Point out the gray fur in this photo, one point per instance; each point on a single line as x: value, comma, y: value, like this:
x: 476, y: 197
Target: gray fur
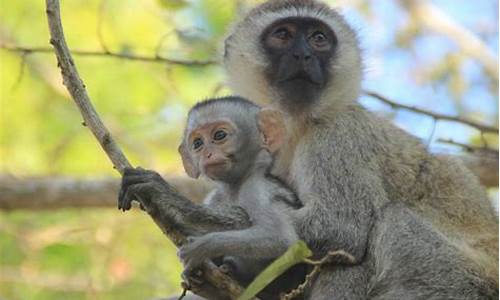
x: 418, y: 225
x: 267, y: 202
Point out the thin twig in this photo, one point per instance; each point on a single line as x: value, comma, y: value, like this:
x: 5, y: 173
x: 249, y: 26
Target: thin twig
x: 100, y: 20
x: 469, y: 148
x: 330, y: 257
x: 160, y: 43
x: 437, y: 116
x: 143, y: 58
x: 433, y: 131
x: 20, y: 76
x: 184, y: 292
x: 76, y: 88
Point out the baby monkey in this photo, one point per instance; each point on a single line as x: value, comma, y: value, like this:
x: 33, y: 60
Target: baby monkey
x: 231, y: 141
x: 245, y: 223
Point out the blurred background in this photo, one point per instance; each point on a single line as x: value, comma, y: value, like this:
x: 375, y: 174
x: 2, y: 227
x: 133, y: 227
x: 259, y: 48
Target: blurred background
x: 431, y: 66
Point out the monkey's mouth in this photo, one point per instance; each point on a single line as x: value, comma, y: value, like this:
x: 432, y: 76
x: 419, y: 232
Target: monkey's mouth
x: 300, y: 76
x: 215, y: 169
x: 217, y: 164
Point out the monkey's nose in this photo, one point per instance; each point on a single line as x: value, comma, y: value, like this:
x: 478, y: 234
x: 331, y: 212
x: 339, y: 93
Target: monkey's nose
x: 301, y: 56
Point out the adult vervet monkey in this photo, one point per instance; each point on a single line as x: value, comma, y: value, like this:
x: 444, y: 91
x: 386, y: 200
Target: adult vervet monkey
x: 418, y: 225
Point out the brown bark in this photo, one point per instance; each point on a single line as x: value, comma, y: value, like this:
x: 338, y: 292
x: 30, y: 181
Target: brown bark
x: 67, y: 192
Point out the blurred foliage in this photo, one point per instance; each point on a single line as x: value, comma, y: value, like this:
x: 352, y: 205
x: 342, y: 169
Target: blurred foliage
x: 99, y: 253
x: 147, y: 101
x: 95, y: 254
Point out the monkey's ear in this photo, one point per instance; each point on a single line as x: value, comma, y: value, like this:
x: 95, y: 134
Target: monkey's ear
x: 272, y: 127
x: 189, y: 166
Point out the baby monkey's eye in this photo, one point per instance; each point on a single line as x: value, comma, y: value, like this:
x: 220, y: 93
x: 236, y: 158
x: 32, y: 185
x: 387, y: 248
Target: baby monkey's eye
x: 220, y: 135
x: 197, y: 143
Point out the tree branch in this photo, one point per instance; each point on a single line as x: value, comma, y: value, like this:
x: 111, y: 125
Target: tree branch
x: 76, y: 88
x: 470, y: 148
x: 142, y: 58
x: 437, y: 116
x: 65, y: 192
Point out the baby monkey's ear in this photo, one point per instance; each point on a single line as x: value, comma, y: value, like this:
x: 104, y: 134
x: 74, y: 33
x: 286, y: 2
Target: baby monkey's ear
x: 191, y: 169
x: 272, y: 127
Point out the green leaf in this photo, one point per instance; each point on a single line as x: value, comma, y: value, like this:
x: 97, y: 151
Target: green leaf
x: 294, y: 255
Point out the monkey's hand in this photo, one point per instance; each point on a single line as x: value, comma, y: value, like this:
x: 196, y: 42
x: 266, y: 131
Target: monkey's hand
x: 194, y: 252
x: 141, y: 185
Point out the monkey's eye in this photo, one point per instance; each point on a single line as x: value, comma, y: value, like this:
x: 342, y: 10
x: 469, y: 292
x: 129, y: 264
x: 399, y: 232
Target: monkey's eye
x: 220, y: 135
x: 282, y: 34
x: 319, y: 39
x: 197, y: 143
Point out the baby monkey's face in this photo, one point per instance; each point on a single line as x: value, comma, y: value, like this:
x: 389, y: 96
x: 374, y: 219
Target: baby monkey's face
x: 212, y: 146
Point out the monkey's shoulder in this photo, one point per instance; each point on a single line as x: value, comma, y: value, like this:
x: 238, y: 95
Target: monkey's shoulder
x: 356, y: 130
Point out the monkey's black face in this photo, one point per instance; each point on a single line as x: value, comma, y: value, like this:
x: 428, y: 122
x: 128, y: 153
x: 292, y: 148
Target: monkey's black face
x: 299, y: 51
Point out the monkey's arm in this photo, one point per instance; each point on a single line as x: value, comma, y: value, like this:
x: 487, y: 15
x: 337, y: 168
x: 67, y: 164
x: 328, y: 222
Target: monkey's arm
x: 338, y: 197
x: 259, y: 242
x: 168, y: 208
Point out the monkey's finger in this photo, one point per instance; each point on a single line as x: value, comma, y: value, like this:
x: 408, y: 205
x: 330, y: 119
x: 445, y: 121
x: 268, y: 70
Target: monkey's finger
x: 187, y: 277
x: 125, y: 183
x: 186, y: 255
x: 197, y: 278
x: 225, y: 268
x: 120, y: 197
x: 228, y: 265
x: 132, y: 193
x: 123, y: 196
x: 137, y: 171
x: 193, y: 275
x: 130, y: 171
x: 126, y: 201
x: 135, y: 179
x: 143, y: 178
